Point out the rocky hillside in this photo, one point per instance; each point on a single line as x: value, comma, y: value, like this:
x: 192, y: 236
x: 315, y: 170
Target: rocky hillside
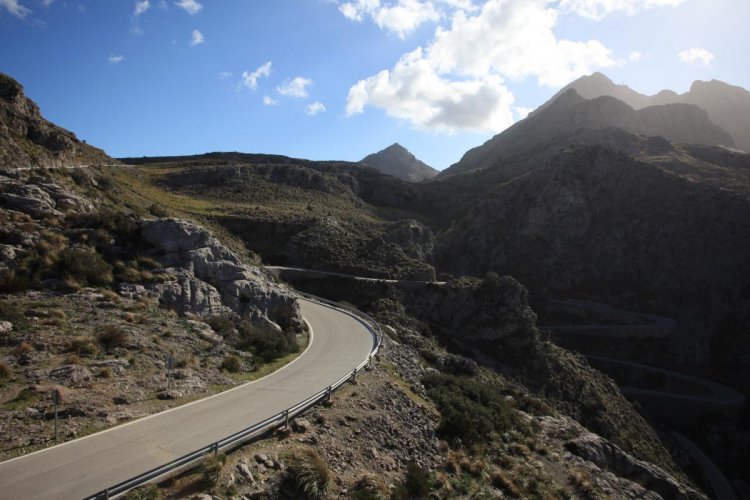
x: 570, y: 113
x: 594, y: 222
x: 27, y: 140
x: 396, y: 160
x: 322, y: 215
x: 728, y: 106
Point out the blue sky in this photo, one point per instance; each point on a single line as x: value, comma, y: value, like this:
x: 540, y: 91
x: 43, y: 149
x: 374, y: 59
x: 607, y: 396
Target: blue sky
x: 346, y: 78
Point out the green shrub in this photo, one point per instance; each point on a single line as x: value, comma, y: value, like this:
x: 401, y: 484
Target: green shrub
x: 211, y: 470
x: 112, y: 336
x: 310, y: 473
x: 82, y: 346
x: 417, y: 483
x: 369, y: 488
x: 266, y: 344
x: 6, y: 372
x: 232, y: 364
x: 222, y: 326
x: 85, y: 266
x: 469, y: 410
x: 145, y: 492
x: 158, y: 210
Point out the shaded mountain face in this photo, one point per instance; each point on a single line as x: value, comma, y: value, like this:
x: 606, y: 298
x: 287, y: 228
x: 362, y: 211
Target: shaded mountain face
x: 663, y: 230
x: 28, y: 140
x: 728, y: 106
x: 396, y: 160
x: 570, y: 112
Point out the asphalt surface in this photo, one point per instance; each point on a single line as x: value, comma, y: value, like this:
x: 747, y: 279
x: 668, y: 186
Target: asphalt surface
x: 88, y: 465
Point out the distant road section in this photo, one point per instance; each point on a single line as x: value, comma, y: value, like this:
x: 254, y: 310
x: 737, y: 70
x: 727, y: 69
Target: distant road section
x: 88, y: 465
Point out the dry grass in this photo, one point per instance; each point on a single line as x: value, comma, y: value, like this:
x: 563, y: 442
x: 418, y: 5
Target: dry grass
x: 23, y: 348
x: 310, y: 473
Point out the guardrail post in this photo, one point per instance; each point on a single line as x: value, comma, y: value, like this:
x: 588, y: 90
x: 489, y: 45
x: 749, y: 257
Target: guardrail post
x: 216, y: 449
x: 106, y: 494
x: 286, y: 419
x: 329, y: 391
x: 369, y: 361
x: 354, y: 375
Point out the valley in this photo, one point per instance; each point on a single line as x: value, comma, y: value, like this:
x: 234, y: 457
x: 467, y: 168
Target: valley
x: 569, y: 294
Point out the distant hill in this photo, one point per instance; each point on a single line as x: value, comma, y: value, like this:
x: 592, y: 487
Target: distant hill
x: 28, y: 140
x: 728, y: 106
x: 396, y: 160
x: 569, y: 112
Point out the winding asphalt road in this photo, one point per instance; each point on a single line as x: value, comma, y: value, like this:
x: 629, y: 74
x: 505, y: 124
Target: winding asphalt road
x: 88, y: 465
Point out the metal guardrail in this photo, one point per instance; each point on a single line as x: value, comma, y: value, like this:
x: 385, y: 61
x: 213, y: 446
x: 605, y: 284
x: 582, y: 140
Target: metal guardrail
x: 282, y: 418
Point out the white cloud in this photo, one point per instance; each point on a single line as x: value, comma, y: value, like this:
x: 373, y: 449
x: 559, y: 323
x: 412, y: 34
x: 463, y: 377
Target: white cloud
x: 514, y: 39
x: 315, y: 108
x: 197, y: 38
x: 458, y: 82
x: 191, y: 6
x: 414, y: 92
x: 599, y: 9
x: 47, y: 3
x: 522, y: 112
x: 297, y: 87
x: 269, y: 101
x: 115, y: 59
x: 696, y: 55
x: 399, y: 18
x: 15, y: 8
x: 635, y: 56
x: 141, y: 6
x: 250, y: 79
x: 225, y: 75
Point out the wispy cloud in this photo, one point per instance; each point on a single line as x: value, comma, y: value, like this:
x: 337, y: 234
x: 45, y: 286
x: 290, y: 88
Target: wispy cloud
x: 250, y: 78
x: 115, y: 59
x: 141, y: 6
x: 269, y: 101
x: 296, y: 87
x: 15, y: 8
x: 225, y: 75
x: 197, y: 38
x: 696, y: 55
x: 315, y: 108
x: 599, y: 9
x: 192, y: 7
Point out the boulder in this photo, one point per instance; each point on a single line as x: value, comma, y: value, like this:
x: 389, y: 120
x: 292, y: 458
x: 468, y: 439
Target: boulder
x: 71, y: 374
x: 5, y: 327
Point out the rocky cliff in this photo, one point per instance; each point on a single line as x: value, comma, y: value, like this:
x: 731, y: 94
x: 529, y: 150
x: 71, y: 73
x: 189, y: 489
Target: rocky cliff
x: 205, y: 278
x: 728, y: 106
x: 570, y: 112
x: 28, y: 140
x: 396, y: 160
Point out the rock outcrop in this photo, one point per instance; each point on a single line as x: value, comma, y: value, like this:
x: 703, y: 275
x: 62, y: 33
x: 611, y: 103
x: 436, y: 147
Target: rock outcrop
x: 207, y: 279
x: 40, y: 198
x: 609, y: 457
x: 728, y: 106
x: 27, y: 140
x: 570, y: 112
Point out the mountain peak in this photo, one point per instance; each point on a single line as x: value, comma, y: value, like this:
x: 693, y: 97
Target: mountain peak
x: 728, y: 106
x: 28, y: 140
x: 398, y: 161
